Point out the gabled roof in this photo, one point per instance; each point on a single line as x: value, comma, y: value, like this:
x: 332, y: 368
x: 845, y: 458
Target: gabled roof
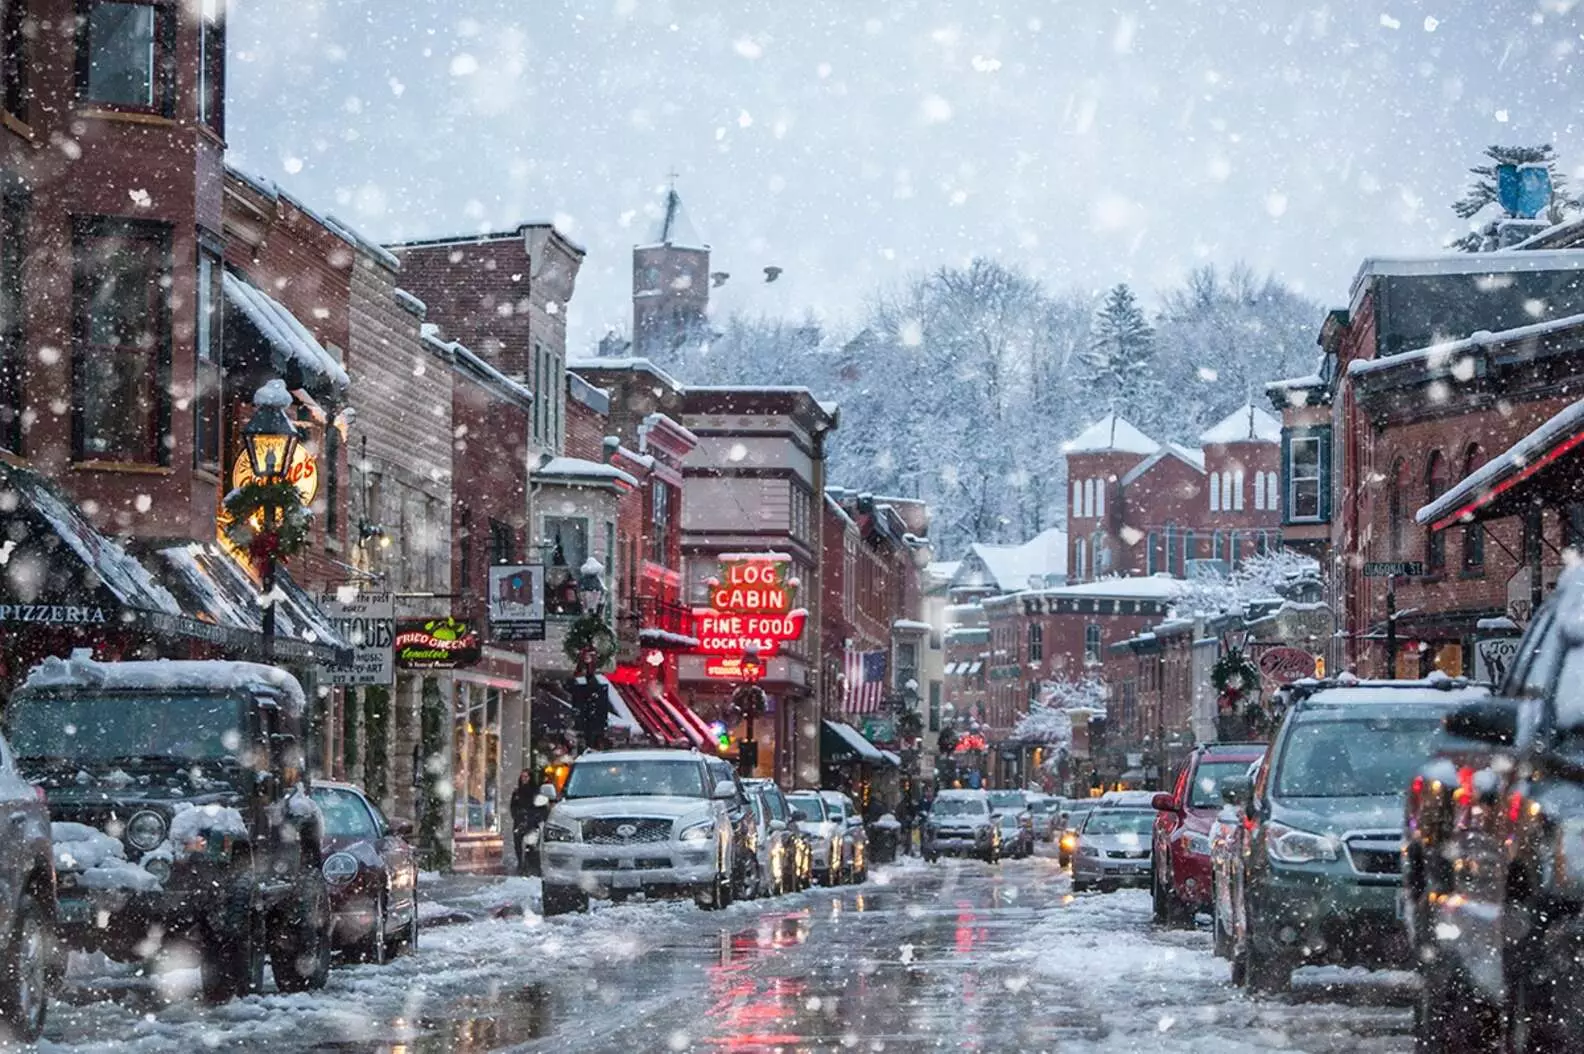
x: 1111, y: 434
x: 1194, y: 459
x: 1247, y: 424
x: 1012, y: 568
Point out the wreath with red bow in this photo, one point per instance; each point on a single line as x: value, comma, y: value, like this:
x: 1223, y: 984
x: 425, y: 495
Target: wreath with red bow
x: 268, y: 520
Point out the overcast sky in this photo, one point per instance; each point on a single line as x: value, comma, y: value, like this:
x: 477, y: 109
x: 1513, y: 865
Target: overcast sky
x: 857, y: 143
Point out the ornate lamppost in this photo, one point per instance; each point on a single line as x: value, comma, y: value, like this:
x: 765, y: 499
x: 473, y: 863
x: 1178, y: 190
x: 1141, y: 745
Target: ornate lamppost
x: 589, y: 643
x: 748, y: 699
x: 267, y: 509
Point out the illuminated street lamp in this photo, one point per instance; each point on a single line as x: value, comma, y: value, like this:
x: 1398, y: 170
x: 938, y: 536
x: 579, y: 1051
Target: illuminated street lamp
x: 270, y: 439
x: 749, y: 700
x: 591, y: 587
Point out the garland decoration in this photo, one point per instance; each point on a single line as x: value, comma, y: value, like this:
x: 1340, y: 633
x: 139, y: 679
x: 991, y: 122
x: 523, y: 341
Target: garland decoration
x: 590, y: 634
x: 287, y: 536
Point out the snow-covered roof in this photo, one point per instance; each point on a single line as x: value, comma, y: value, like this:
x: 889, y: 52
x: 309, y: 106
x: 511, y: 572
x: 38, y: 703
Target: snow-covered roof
x: 216, y: 589
x: 460, y: 353
x: 942, y: 569
x: 629, y: 363
x: 1247, y: 424
x: 1111, y: 434
x: 287, y: 337
x: 1013, y: 567
x: 1153, y: 587
x: 83, y: 671
x: 127, y: 579
x: 672, y: 226
x: 1193, y: 455
x: 1510, y: 463
x: 911, y: 624
x: 854, y: 741
x: 1470, y: 263
x: 576, y: 468
x: 1443, y: 354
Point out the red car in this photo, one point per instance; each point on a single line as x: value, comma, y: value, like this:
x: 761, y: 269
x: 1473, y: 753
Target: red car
x: 1184, y: 884
x: 372, y: 872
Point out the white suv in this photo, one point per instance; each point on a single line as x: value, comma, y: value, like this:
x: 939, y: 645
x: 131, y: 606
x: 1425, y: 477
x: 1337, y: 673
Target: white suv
x: 633, y: 821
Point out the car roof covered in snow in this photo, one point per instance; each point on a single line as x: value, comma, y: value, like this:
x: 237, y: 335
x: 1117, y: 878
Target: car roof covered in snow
x: 216, y: 675
x: 657, y: 754
x: 1127, y: 800
x: 1406, y: 694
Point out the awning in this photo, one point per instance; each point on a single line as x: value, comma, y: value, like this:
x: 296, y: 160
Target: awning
x: 221, y: 594
x: 891, y: 759
x: 975, y: 667
x: 659, y: 716
x: 843, y: 744
x: 621, y: 717
x: 1494, y: 490
x: 289, y: 342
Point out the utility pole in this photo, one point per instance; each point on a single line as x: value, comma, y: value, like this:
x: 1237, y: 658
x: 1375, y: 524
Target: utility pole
x: 1391, y: 626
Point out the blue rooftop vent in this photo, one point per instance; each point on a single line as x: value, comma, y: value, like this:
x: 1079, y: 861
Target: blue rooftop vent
x: 1523, y: 190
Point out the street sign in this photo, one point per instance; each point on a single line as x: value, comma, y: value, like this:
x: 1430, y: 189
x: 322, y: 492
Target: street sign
x: 1492, y: 657
x: 367, y: 621
x: 516, y: 602
x: 1395, y: 569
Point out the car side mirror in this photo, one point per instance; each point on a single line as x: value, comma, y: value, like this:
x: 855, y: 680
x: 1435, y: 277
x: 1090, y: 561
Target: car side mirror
x: 1490, y: 721
x: 854, y: 821
x: 1236, y: 790
x: 402, y: 828
x: 778, y: 825
x: 725, y: 790
x: 1164, y: 803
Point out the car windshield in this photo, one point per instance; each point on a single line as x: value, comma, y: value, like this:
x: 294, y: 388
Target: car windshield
x: 775, y: 803
x: 1119, y: 821
x: 1006, y: 800
x: 85, y: 729
x: 345, y: 815
x: 1042, y: 807
x: 1354, y: 757
x: 960, y: 807
x: 633, y: 777
x: 1075, y: 815
x: 807, y: 807
x: 836, y: 810
x: 1205, y: 791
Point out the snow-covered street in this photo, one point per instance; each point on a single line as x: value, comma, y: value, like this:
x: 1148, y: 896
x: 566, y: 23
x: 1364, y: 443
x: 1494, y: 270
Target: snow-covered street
x: 958, y: 955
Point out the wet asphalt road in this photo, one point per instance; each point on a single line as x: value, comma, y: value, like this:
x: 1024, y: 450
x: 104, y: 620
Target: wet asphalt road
x: 959, y: 956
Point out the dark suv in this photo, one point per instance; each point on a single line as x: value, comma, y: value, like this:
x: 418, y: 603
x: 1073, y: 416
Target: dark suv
x: 1494, y: 854
x: 1319, y: 873
x: 180, y: 810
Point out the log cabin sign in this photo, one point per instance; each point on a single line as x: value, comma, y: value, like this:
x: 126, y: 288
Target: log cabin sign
x: 752, y: 607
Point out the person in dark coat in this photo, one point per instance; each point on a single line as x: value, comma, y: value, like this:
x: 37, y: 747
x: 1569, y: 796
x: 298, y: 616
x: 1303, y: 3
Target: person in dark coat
x: 529, y: 806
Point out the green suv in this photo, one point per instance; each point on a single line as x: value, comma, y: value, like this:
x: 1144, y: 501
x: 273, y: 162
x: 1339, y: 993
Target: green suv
x: 1320, y: 870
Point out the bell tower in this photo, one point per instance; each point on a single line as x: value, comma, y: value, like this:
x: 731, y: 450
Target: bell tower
x: 671, y: 280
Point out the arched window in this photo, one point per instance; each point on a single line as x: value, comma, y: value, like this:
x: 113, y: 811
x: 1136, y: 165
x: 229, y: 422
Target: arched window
x: 1474, y: 533
x: 1259, y: 491
x: 1237, y: 490
x: 1272, y: 492
x: 1435, y: 486
x: 1100, y: 487
x: 1075, y: 509
x: 1151, y: 560
x: 1088, y: 503
x: 1215, y: 492
x: 1080, y: 572
x: 1226, y: 491
x: 1394, y: 509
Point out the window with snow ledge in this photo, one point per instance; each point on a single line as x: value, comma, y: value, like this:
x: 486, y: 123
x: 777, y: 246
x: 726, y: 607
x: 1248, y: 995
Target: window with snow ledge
x: 1306, y: 454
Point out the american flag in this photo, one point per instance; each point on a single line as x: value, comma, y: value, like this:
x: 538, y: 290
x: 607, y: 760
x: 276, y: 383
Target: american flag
x: 865, y: 673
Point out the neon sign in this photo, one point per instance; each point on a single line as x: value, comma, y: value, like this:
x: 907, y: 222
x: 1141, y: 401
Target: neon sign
x: 751, y: 607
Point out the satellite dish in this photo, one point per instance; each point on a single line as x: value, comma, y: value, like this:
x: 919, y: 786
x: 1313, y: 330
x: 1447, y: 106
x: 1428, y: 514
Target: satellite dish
x: 1523, y: 190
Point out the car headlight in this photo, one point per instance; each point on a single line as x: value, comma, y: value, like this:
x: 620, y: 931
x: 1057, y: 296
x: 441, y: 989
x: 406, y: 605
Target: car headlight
x: 1288, y: 845
x: 159, y: 867
x: 1089, y: 850
x: 146, y: 830
x: 340, y: 868
x: 558, y: 832
x: 1196, y: 843
x: 698, y: 833
x: 1068, y: 840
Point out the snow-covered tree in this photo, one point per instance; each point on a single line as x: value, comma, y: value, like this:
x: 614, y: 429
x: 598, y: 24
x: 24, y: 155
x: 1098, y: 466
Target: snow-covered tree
x: 1121, y: 356
x: 1272, y: 575
x: 1481, y: 192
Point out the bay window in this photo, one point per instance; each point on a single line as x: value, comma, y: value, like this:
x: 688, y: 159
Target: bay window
x: 1306, y: 456
x: 121, y: 341
x: 125, y: 55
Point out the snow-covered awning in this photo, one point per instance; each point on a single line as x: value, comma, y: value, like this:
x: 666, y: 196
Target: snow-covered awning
x: 289, y: 341
x: 975, y: 667
x: 841, y: 744
x: 1492, y: 490
x: 579, y: 472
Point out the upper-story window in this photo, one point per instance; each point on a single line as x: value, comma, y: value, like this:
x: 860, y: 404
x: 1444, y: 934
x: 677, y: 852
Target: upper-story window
x: 1151, y: 553
x: 659, y: 520
x: 1259, y: 491
x: 125, y: 55
x: 1237, y: 491
x: 1089, y: 497
x: 15, y: 32
x: 211, y: 65
x: 1092, y: 642
x: 567, y: 547
x: 12, y: 212
x: 1100, y: 488
x: 1080, y: 561
x: 1036, y: 642
x: 122, y: 329
x: 1077, y: 498
x: 1307, y: 453
x: 1215, y: 492
x: 1435, y: 484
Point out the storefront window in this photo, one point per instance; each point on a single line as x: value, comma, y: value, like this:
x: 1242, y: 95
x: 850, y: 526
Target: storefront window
x: 566, y: 539
x: 476, y: 750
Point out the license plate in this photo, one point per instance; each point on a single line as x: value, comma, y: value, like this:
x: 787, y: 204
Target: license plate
x: 626, y: 880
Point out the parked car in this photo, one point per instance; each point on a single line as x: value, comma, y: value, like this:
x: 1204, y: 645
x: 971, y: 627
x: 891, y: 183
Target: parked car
x: 1183, y: 884
x: 1113, y: 846
x: 960, y: 823
x: 373, y: 874
x: 1318, y: 877
x: 1067, y: 842
x: 746, y: 881
x: 1017, y: 839
x: 855, y: 838
x: 1226, y: 843
x: 180, y: 811
x: 1015, y: 802
x: 629, y: 821
x: 1046, y: 812
x: 28, y: 960
x: 789, y: 863
x: 826, y: 832
x: 1493, y: 845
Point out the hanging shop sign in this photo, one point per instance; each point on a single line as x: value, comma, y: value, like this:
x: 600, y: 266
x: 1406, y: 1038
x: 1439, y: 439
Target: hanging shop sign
x: 1284, y: 665
x: 367, y: 621
x: 751, y: 607
x: 517, y: 602
x: 303, y: 473
x: 436, y: 644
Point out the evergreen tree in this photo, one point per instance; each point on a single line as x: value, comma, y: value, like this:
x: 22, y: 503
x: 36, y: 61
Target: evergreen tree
x: 1122, y: 356
x: 1481, y: 191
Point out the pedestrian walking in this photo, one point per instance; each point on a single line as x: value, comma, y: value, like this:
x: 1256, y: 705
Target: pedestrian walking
x: 529, y: 806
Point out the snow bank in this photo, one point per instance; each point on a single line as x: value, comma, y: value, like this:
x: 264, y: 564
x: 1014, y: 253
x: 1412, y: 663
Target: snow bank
x: 98, y: 861
x: 192, y: 821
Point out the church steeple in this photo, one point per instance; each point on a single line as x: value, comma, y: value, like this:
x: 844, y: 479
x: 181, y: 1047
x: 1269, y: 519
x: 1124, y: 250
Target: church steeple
x: 670, y: 281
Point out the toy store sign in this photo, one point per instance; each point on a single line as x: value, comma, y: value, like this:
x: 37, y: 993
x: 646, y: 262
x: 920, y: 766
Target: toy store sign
x: 751, y: 607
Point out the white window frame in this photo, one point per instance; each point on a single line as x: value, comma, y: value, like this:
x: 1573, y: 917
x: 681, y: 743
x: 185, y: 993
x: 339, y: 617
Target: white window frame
x: 1099, y: 497
x: 1293, y: 479
x: 1237, y: 491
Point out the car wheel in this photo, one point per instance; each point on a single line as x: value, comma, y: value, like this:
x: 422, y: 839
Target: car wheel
x: 1450, y: 1017
x: 232, y: 952
x: 24, y: 996
x: 376, y: 946
x: 1158, y: 910
x: 716, y: 895
x: 406, y: 942
x: 562, y: 900
x: 300, y: 939
x: 1080, y: 886
x: 1263, y: 971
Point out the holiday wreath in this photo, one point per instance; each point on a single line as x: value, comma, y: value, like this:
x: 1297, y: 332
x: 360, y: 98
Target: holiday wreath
x: 590, y: 634
x: 268, y: 519
x: 1234, y: 677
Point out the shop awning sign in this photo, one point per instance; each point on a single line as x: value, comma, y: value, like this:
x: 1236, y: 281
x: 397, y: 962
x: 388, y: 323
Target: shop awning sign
x: 55, y: 614
x: 436, y: 644
x: 367, y: 621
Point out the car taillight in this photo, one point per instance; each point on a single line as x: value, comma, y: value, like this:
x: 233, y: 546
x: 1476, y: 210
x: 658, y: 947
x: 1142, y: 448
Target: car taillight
x: 38, y: 793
